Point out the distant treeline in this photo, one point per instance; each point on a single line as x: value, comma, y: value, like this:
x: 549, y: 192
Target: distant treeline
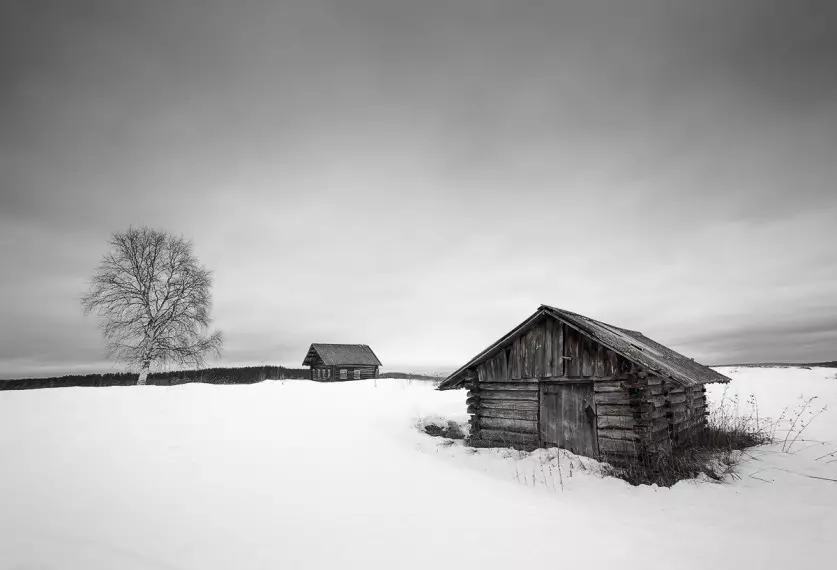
x: 829, y: 364
x: 245, y: 375
x: 409, y: 376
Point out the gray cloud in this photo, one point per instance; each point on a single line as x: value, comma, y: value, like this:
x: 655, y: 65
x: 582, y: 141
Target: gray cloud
x: 420, y: 175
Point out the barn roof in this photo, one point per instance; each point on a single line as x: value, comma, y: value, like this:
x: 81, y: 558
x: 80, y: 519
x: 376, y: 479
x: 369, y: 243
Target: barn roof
x: 632, y: 345
x: 340, y: 354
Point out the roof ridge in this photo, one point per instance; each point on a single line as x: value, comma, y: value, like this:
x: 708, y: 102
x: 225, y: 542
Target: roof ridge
x: 586, y: 318
x: 629, y: 344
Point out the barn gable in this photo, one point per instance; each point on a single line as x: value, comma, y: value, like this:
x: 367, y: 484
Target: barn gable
x: 553, y: 343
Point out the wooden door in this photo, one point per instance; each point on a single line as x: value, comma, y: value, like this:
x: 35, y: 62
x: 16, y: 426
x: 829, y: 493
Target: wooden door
x: 568, y: 417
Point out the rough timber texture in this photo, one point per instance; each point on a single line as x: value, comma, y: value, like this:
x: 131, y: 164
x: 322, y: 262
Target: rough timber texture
x: 550, y: 350
x: 633, y: 414
x: 568, y: 417
x: 562, y: 379
x: 554, y: 343
x: 640, y: 349
x: 503, y: 414
x: 617, y: 416
x: 686, y: 413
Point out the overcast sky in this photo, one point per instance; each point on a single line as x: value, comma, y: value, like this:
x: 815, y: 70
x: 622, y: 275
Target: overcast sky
x: 420, y: 175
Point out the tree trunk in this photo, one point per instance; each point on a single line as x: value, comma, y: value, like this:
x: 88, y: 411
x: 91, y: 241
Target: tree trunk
x: 143, y: 375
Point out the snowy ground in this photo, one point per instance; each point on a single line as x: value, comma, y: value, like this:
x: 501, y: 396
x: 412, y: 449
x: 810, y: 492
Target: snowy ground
x: 293, y: 474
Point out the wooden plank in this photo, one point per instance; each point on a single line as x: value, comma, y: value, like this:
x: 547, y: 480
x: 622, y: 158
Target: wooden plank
x: 623, y: 381
x: 494, y: 369
x: 548, y: 336
x: 598, y: 361
x: 616, y: 446
x: 622, y: 434
x: 617, y: 380
x: 652, y: 429
x: 501, y: 366
x: 572, y: 364
x: 608, y: 362
x: 558, y: 350
x: 678, y: 417
x: 676, y: 398
x: 686, y: 424
x: 511, y: 414
x: 608, y: 387
x: 515, y: 369
x: 537, y: 352
x: 612, y: 398
x: 586, y: 356
x: 502, y: 395
x: 657, y: 401
x: 567, y: 417
x: 652, y: 414
x: 525, y: 362
x: 509, y: 405
x: 614, y: 410
x: 501, y: 436
x: 565, y: 380
x: 604, y: 422
x: 493, y: 386
x: 505, y: 424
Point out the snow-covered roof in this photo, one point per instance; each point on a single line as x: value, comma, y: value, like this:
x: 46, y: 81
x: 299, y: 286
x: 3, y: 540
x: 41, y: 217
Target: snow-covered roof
x: 340, y: 354
x: 632, y: 345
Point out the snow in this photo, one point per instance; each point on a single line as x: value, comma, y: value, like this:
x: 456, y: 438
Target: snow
x: 295, y: 474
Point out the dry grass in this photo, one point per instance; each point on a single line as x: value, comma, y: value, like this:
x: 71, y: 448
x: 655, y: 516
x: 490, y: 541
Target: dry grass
x: 732, y: 427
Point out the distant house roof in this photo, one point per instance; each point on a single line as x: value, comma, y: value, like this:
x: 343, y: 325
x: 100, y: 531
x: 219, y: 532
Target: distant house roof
x: 341, y: 354
x: 632, y: 345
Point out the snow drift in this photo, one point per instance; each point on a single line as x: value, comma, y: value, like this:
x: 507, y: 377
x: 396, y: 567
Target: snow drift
x: 295, y: 474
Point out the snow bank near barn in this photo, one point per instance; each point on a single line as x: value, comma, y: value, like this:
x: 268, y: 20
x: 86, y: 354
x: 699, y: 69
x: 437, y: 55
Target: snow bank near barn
x: 295, y: 474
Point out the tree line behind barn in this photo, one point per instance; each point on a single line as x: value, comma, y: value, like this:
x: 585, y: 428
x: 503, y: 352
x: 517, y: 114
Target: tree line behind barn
x: 242, y: 375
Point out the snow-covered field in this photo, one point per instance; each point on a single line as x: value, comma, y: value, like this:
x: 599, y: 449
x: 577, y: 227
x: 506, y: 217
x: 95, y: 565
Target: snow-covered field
x: 294, y: 474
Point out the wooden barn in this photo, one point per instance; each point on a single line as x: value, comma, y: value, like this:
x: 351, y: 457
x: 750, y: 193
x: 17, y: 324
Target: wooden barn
x: 562, y: 379
x: 335, y: 362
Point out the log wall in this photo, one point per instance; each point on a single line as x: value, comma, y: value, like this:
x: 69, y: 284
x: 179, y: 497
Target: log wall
x: 646, y: 415
x: 504, y: 414
x: 625, y: 417
x: 325, y: 373
x: 686, y: 408
x: 637, y: 413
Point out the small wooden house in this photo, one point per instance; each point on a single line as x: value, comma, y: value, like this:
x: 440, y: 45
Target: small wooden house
x: 562, y: 379
x: 335, y: 362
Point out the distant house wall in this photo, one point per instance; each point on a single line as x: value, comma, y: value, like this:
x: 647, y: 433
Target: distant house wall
x: 338, y: 373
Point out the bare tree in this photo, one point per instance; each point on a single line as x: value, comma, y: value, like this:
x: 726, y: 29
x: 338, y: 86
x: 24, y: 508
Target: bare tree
x: 152, y: 299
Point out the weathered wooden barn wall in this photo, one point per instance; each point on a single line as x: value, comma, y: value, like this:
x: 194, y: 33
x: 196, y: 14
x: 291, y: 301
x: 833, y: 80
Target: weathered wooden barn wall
x: 551, y: 349
x: 616, y: 412
x: 632, y: 416
x: 687, y: 412
x: 504, y: 414
x: 504, y: 400
x: 333, y: 373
